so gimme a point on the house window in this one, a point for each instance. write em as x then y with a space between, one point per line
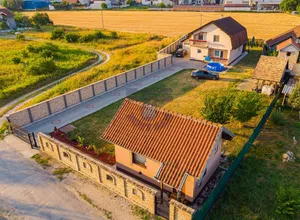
288 54
217 53
200 36
198 51
138 159
216 38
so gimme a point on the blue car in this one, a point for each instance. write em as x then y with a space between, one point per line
203 74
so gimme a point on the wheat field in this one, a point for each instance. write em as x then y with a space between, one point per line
260 25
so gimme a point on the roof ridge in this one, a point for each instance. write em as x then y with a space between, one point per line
160 109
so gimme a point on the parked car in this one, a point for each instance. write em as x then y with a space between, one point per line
180 53
294 12
204 74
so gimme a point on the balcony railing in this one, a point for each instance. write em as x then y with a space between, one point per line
200 43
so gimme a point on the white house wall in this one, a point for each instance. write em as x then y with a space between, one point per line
194 55
289 48
233 54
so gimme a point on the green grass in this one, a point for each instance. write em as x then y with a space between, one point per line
128 51
144 214
16 81
41 160
3 128
60 172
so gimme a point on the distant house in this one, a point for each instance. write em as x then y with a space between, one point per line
166 150
8 17
237 5
222 40
156 2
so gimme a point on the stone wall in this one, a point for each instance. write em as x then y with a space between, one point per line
179 211
60 103
125 186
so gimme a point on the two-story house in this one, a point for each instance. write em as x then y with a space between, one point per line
169 151
222 40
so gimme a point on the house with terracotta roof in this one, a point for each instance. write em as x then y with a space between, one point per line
8 17
172 152
222 40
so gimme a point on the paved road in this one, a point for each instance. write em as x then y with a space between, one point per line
83 109
29 192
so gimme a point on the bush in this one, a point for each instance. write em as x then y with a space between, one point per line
129 2
61 5
80 140
41 19
22 20
20 37
72 38
3 25
41 66
98 34
114 35
104 6
44 47
12 4
161 5
288 5
87 38
294 98
16 60
58 34
288 202
218 107
47 53
246 106
277 118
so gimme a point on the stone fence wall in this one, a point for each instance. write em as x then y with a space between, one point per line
44 109
125 186
179 211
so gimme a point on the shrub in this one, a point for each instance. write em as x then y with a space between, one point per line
161 5
103 6
98 34
58 34
87 38
277 118
80 140
47 53
294 99
41 19
298 124
288 202
246 106
20 37
3 25
288 5
129 2
218 107
22 20
41 66
73 137
72 37
16 60
114 35
12 4
61 5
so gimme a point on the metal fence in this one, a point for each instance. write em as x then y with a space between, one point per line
24 135
201 213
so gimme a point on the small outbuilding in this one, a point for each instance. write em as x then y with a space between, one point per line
7 16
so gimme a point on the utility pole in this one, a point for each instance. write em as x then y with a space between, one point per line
102 19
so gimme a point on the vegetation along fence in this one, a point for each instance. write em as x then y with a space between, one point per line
60 103
201 214
198 8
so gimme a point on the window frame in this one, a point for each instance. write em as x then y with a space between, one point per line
136 160
216 38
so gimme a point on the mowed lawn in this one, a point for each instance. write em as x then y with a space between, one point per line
179 93
260 25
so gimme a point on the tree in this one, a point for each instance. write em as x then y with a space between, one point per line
103 6
72 37
218 107
161 5
289 5
22 20
298 8
58 34
12 4
3 25
129 2
41 66
294 99
246 106
41 19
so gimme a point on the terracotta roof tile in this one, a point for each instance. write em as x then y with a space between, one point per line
292 33
182 143
270 68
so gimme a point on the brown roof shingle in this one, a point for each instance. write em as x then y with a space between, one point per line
182 143
292 58
286 43
6 12
270 68
292 33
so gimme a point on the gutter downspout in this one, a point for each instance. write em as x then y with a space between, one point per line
181 185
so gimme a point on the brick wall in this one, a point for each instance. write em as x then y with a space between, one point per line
179 211
60 103
106 175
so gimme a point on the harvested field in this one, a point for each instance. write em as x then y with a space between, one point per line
260 25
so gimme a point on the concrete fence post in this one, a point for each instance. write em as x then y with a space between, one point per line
144 70
30 114
126 79
93 89
79 94
105 86
49 108
116 80
134 73
65 101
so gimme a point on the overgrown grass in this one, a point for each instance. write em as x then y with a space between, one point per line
144 214
60 172
43 161
3 128
15 80
127 51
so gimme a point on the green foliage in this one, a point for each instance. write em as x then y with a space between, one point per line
298 8
297 124
41 66
20 37
277 118
58 34
129 2
12 4
114 35
60 172
72 37
73 137
103 6
22 20
3 128
289 5
16 60
161 5
3 25
143 214
288 202
61 5
294 98
80 140
218 107
41 19
246 106
41 160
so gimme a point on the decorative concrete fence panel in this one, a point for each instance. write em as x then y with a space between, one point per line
106 175
72 98
20 118
130 75
155 66
99 87
121 79
148 69
179 211
57 104
111 83
139 72
39 111
86 92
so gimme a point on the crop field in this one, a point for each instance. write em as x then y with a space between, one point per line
126 50
260 25
18 72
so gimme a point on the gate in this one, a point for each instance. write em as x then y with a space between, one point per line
162 205
24 135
